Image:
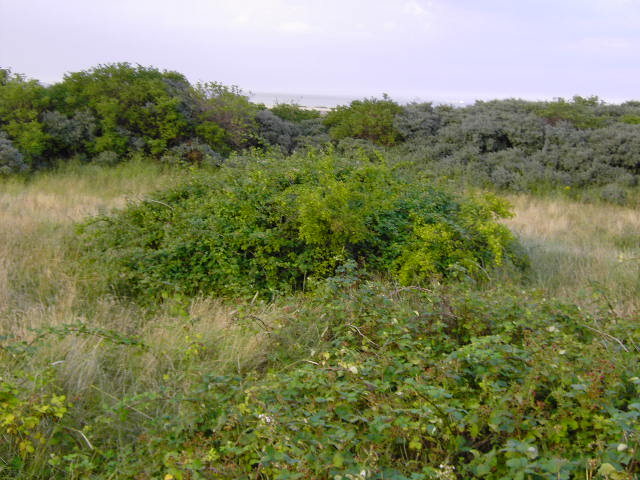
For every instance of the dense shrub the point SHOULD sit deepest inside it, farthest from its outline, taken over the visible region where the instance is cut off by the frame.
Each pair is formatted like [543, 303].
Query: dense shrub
[69, 136]
[192, 152]
[513, 145]
[464, 385]
[417, 120]
[276, 131]
[438, 383]
[11, 160]
[225, 118]
[293, 112]
[263, 224]
[132, 105]
[369, 119]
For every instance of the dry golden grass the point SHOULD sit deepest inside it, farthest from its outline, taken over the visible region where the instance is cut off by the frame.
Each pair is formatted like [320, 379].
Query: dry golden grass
[578, 248]
[34, 218]
[39, 296]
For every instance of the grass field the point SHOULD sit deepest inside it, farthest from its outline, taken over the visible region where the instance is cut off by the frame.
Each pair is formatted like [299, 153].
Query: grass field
[579, 249]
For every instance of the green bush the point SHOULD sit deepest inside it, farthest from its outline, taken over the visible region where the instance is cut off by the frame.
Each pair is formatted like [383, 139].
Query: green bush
[476, 385]
[293, 112]
[369, 119]
[268, 225]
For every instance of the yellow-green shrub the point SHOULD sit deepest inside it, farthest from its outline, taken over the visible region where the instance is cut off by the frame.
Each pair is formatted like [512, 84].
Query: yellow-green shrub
[269, 225]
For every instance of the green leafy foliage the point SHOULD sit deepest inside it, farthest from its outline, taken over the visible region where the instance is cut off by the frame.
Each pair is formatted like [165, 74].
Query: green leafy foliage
[293, 112]
[225, 117]
[515, 145]
[135, 106]
[22, 102]
[32, 425]
[369, 119]
[268, 225]
[579, 112]
[409, 383]
[418, 385]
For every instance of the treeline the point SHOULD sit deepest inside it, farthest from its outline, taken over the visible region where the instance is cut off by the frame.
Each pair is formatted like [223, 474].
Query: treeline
[111, 113]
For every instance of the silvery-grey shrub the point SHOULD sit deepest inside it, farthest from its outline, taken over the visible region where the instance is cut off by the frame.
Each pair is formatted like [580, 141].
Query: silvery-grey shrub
[11, 160]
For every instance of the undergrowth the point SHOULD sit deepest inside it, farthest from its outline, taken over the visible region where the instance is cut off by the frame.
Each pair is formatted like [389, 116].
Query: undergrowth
[361, 376]
[447, 382]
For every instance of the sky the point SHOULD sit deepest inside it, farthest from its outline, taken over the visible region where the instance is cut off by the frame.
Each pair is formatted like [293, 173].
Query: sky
[411, 49]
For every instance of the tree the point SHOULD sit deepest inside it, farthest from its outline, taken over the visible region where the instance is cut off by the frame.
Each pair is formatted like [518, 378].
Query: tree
[11, 160]
[22, 103]
[225, 117]
[136, 108]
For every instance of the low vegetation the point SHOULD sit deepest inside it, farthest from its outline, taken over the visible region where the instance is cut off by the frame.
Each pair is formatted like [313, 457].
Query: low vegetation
[199, 287]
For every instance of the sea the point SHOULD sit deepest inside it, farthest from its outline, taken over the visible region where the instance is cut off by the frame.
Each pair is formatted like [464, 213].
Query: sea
[327, 102]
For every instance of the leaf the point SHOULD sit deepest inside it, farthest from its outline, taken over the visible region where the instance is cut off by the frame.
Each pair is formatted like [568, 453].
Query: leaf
[606, 469]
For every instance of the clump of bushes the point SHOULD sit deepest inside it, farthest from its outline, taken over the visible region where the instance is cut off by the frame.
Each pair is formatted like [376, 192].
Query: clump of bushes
[11, 160]
[274, 226]
[370, 119]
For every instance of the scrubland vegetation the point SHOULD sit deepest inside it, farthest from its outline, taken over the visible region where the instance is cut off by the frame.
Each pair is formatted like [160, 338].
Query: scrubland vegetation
[193, 286]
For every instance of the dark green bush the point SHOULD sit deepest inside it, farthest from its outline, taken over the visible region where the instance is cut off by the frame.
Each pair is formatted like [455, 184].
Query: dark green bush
[192, 152]
[417, 120]
[294, 112]
[268, 225]
[370, 119]
[276, 131]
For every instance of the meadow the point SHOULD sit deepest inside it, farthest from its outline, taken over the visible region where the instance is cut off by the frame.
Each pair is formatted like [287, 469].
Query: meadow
[104, 388]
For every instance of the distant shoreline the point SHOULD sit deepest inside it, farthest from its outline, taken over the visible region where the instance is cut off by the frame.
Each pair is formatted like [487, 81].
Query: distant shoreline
[326, 103]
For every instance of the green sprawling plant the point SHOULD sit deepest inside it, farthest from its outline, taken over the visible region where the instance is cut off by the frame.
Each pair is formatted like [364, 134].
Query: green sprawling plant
[270, 225]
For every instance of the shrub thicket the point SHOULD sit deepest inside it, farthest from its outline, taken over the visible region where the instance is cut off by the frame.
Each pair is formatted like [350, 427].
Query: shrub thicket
[269, 225]
[11, 160]
[513, 145]
[370, 119]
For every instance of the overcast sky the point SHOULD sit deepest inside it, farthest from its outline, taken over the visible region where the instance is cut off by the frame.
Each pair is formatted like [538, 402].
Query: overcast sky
[427, 49]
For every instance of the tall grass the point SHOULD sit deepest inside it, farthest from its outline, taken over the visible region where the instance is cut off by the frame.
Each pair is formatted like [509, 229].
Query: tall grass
[578, 250]
[108, 354]
[37, 215]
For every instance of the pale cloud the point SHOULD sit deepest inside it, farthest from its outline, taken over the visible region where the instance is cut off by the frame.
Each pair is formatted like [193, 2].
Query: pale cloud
[295, 27]
[601, 45]
[390, 26]
[557, 47]
[327, 18]
[414, 8]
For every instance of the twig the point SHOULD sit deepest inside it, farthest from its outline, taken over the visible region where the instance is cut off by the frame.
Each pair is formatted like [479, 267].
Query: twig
[126, 405]
[362, 334]
[260, 322]
[605, 334]
[79, 432]
[253, 300]
[160, 203]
